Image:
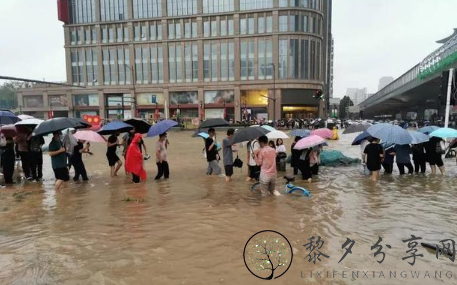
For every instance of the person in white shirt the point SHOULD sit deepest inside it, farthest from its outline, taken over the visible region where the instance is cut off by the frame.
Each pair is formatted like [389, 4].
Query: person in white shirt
[254, 169]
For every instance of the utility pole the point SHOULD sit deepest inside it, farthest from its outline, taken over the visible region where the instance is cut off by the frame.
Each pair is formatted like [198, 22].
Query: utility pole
[448, 97]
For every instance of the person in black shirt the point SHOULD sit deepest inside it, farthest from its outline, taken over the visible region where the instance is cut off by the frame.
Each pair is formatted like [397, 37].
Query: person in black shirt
[373, 157]
[211, 154]
[36, 156]
[8, 160]
[77, 160]
[295, 156]
[419, 158]
[434, 153]
[113, 160]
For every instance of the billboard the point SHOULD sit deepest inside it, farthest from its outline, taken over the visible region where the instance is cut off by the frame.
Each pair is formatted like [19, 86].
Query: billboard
[190, 97]
[219, 97]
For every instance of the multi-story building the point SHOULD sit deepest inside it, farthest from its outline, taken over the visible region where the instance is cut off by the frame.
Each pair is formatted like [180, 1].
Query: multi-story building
[193, 58]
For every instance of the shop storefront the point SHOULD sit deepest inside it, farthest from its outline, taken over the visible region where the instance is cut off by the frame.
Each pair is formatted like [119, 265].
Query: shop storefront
[86, 104]
[184, 105]
[118, 106]
[151, 106]
[299, 104]
[254, 105]
[220, 104]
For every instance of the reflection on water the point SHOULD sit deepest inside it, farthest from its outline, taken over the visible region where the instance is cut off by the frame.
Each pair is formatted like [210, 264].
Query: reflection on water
[192, 228]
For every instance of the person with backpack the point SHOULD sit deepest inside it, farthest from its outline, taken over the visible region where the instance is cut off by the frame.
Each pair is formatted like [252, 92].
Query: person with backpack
[435, 149]
[36, 157]
[253, 168]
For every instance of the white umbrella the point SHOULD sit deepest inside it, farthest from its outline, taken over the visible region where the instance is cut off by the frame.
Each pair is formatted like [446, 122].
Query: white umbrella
[29, 122]
[277, 135]
[25, 117]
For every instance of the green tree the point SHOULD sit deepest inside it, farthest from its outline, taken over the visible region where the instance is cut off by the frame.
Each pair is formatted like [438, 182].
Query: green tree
[344, 104]
[8, 95]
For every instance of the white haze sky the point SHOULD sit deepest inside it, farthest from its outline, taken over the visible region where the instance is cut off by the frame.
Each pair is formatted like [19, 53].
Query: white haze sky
[373, 38]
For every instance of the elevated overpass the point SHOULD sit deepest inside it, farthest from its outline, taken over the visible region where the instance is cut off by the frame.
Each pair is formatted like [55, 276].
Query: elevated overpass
[417, 89]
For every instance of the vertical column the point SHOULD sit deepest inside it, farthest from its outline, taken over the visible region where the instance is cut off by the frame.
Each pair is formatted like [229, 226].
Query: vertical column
[129, 10]
[71, 109]
[278, 105]
[20, 100]
[68, 64]
[238, 103]
[100, 66]
[237, 58]
[201, 105]
[46, 106]
[97, 10]
[101, 101]
[166, 107]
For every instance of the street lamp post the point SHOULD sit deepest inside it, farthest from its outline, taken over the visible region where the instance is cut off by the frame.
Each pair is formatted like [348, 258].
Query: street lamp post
[133, 103]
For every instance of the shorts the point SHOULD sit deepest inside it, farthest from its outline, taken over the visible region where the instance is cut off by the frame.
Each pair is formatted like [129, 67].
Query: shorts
[436, 160]
[228, 170]
[62, 174]
[112, 159]
[254, 171]
[267, 184]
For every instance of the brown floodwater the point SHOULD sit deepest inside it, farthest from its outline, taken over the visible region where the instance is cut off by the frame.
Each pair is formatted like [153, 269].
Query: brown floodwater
[192, 228]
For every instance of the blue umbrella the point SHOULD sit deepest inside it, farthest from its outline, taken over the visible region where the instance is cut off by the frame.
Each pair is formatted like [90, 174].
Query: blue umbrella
[428, 130]
[358, 139]
[444, 133]
[161, 127]
[203, 135]
[390, 134]
[419, 137]
[8, 117]
[300, 133]
[115, 127]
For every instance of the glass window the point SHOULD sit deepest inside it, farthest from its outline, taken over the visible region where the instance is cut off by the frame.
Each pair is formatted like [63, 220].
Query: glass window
[214, 63]
[213, 27]
[81, 11]
[206, 60]
[87, 35]
[206, 27]
[73, 36]
[178, 29]
[137, 32]
[113, 10]
[188, 61]
[255, 4]
[94, 35]
[224, 61]
[147, 9]
[223, 26]
[283, 23]
[231, 56]
[218, 6]
[251, 24]
[194, 62]
[243, 59]
[171, 29]
[231, 26]
[304, 23]
[269, 24]
[153, 31]
[120, 66]
[243, 26]
[154, 64]
[111, 34]
[80, 36]
[112, 68]
[144, 57]
[261, 24]
[261, 64]
[282, 58]
[159, 31]
[144, 32]
[304, 59]
[119, 36]
[172, 62]
[187, 29]
[179, 63]
[194, 29]
[181, 7]
[293, 69]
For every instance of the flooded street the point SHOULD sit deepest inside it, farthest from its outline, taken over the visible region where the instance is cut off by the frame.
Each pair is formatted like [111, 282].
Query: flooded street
[192, 229]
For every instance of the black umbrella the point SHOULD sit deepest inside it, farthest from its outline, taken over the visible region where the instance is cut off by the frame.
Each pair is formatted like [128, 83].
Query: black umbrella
[81, 124]
[54, 125]
[211, 123]
[140, 125]
[248, 134]
[356, 128]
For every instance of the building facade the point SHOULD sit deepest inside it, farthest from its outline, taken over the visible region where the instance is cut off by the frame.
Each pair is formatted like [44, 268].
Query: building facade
[195, 59]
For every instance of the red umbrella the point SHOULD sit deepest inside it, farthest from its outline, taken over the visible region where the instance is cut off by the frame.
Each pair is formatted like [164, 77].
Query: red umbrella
[12, 130]
[323, 133]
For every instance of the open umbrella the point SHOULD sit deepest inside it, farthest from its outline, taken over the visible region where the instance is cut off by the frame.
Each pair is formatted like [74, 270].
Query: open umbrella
[161, 127]
[29, 122]
[419, 137]
[140, 125]
[80, 123]
[266, 127]
[323, 133]
[12, 131]
[115, 127]
[277, 135]
[427, 130]
[390, 134]
[300, 133]
[248, 134]
[444, 133]
[8, 117]
[310, 141]
[198, 131]
[356, 128]
[25, 117]
[203, 135]
[88, 135]
[216, 122]
[358, 139]
[55, 125]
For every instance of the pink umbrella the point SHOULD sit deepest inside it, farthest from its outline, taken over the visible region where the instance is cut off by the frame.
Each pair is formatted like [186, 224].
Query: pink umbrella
[90, 136]
[309, 141]
[323, 133]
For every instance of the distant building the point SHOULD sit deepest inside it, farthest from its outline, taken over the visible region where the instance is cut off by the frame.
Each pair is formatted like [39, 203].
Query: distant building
[384, 81]
[193, 58]
[357, 95]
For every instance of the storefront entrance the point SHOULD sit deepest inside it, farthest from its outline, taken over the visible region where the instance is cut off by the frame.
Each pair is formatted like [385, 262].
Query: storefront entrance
[299, 112]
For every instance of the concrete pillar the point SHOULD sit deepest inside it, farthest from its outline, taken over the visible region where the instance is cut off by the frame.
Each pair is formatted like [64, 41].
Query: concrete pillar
[70, 105]
[166, 97]
[238, 103]
[101, 101]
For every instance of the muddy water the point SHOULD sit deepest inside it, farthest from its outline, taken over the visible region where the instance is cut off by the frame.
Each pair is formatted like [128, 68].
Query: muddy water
[192, 228]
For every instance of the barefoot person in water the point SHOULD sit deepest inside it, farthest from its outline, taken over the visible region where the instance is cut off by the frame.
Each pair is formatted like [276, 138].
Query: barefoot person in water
[113, 160]
[265, 157]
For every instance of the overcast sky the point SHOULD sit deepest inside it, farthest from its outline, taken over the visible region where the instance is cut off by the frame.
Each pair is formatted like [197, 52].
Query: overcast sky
[373, 38]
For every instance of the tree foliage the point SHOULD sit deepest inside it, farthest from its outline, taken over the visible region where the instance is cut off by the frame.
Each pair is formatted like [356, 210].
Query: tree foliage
[8, 95]
[345, 103]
